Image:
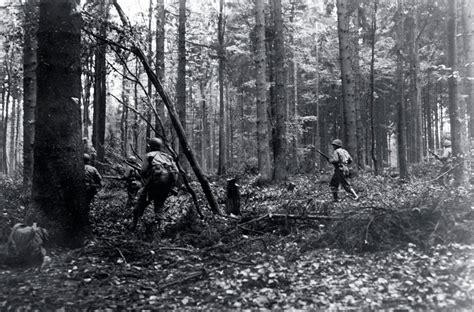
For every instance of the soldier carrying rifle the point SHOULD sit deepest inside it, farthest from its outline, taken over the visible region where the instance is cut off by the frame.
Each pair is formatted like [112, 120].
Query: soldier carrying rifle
[341, 159]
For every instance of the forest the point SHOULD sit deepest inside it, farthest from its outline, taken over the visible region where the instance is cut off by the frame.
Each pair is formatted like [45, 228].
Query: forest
[313, 154]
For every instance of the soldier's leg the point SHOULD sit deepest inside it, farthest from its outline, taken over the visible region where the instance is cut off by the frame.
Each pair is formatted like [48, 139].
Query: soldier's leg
[334, 186]
[141, 204]
[346, 185]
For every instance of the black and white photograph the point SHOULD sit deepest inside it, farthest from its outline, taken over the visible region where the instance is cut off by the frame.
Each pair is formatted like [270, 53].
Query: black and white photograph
[236, 155]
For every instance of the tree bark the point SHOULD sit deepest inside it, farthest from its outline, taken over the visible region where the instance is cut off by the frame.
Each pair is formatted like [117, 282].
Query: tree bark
[279, 140]
[401, 106]
[347, 76]
[58, 178]
[263, 148]
[29, 91]
[100, 89]
[457, 109]
[221, 169]
[160, 62]
[181, 79]
[468, 23]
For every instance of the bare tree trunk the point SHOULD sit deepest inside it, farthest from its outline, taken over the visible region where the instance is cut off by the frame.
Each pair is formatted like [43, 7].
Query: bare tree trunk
[124, 119]
[457, 109]
[372, 96]
[181, 80]
[263, 148]
[349, 108]
[160, 62]
[29, 91]
[401, 129]
[58, 178]
[279, 141]
[221, 169]
[468, 27]
[100, 89]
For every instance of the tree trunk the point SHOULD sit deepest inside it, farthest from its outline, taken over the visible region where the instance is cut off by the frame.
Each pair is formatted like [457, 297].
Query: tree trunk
[468, 27]
[29, 90]
[401, 129]
[349, 105]
[221, 169]
[279, 140]
[181, 79]
[374, 142]
[263, 149]
[457, 109]
[58, 178]
[100, 89]
[160, 62]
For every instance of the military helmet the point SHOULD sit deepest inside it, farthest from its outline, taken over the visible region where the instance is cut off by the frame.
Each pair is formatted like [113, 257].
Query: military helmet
[337, 143]
[132, 159]
[155, 144]
[447, 143]
[86, 157]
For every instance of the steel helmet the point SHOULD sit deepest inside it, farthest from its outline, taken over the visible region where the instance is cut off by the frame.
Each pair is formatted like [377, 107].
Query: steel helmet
[337, 142]
[86, 157]
[155, 144]
[447, 143]
[132, 159]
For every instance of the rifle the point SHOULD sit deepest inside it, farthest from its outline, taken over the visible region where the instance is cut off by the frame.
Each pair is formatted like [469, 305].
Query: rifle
[436, 156]
[322, 154]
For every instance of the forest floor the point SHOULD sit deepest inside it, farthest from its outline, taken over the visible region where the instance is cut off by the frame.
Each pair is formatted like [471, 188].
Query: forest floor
[402, 245]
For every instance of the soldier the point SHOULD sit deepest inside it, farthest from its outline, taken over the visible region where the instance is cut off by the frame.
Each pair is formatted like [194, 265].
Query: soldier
[132, 180]
[159, 172]
[93, 180]
[340, 160]
[446, 159]
[89, 149]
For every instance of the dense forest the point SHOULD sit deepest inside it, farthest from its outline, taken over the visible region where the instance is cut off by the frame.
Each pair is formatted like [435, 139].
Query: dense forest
[248, 97]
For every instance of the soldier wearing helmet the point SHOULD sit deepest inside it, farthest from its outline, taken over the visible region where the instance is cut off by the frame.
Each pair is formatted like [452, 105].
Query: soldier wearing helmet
[93, 180]
[341, 159]
[159, 171]
[132, 180]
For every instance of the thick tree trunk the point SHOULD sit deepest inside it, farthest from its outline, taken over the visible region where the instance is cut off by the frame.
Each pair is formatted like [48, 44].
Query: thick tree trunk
[29, 90]
[279, 140]
[100, 89]
[401, 127]
[263, 148]
[58, 178]
[457, 109]
[373, 120]
[221, 169]
[349, 105]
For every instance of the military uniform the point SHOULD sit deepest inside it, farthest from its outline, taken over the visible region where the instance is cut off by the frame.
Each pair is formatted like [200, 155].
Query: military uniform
[133, 184]
[93, 183]
[341, 159]
[159, 171]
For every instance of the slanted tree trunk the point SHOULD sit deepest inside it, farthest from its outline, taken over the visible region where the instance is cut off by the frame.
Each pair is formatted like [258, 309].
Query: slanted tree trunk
[58, 178]
[347, 76]
[279, 140]
[29, 91]
[263, 148]
[221, 169]
[100, 89]
[457, 109]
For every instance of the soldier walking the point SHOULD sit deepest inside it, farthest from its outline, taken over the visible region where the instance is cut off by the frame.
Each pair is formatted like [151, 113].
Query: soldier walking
[341, 159]
[93, 180]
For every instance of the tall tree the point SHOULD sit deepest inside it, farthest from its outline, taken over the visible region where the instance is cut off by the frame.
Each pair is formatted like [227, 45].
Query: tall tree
[100, 87]
[221, 169]
[181, 80]
[280, 170]
[401, 107]
[457, 109]
[263, 152]
[29, 90]
[160, 61]
[58, 178]
[468, 27]
[347, 75]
